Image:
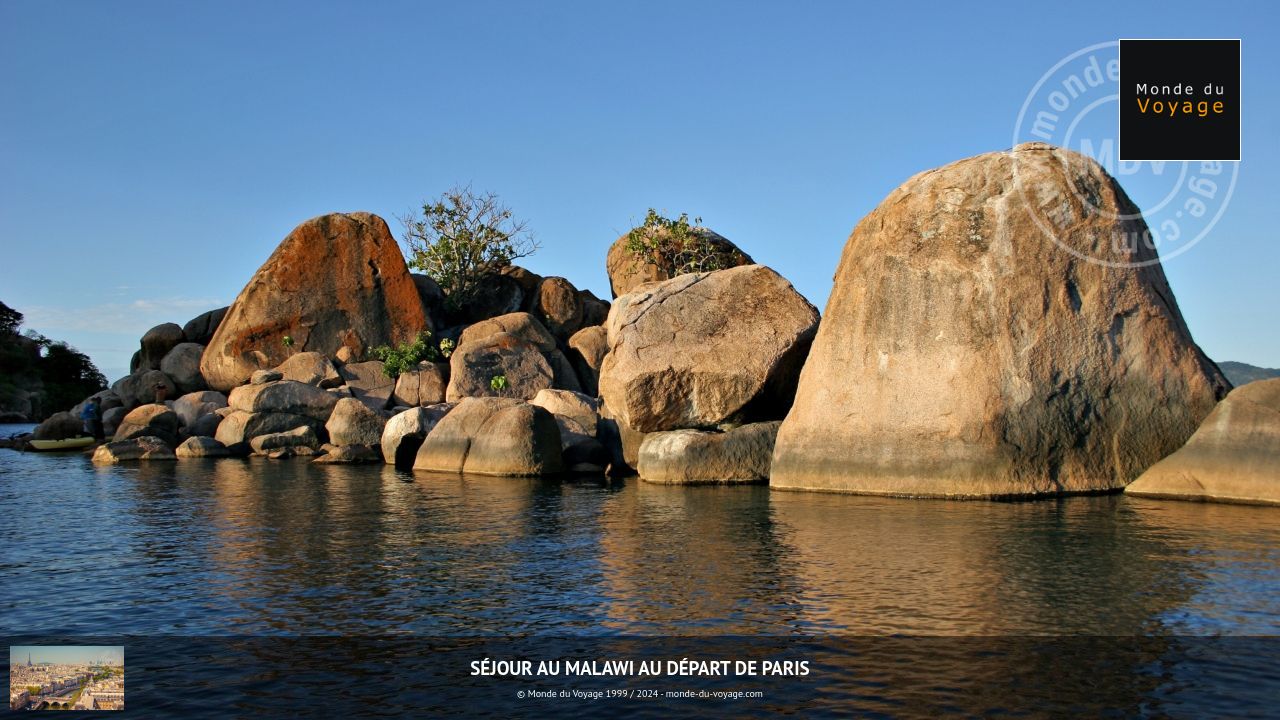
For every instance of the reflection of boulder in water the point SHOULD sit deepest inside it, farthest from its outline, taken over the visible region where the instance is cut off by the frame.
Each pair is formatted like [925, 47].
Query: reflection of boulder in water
[695, 561]
[870, 565]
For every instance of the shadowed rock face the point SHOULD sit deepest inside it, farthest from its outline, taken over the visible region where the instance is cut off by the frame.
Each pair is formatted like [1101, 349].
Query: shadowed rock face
[1233, 457]
[689, 457]
[706, 348]
[337, 281]
[963, 353]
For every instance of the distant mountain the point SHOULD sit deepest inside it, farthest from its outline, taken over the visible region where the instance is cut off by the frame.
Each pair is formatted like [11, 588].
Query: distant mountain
[1240, 373]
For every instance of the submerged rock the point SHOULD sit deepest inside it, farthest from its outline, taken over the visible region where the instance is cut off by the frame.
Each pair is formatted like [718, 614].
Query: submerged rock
[965, 354]
[1233, 457]
[686, 457]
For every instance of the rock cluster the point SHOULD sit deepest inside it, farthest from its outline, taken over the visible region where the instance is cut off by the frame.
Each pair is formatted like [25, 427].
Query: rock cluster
[963, 354]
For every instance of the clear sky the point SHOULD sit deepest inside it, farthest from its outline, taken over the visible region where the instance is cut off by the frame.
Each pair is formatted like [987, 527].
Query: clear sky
[66, 654]
[152, 154]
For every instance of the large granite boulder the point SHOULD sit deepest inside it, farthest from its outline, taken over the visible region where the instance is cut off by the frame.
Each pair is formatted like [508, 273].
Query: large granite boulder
[559, 305]
[284, 396]
[193, 406]
[520, 324]
[298, 437]
[474, 365]
[200, 329]
[582, 410]
[587, 349]
[705, 349]
[527, 280]
[1233, 457]
[337, 281]
[241, 427]
[111, 420]
[156, 343]
[354, 423]
[59, 426]
[312, 368]
[182, 366]
[964, 353]
[594, 310]
[493, 436]
[694, 457]
[627, 270]
[141, 387]
[368, 383]
[405, 431]
[201, 447]
[496, 294]
[424, 385]
[138, 448]
[348, 455]
[152, 420]
[432, 298]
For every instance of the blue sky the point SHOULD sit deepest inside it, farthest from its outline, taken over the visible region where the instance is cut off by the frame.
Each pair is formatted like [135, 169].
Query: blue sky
[65, 654]
[152, 154]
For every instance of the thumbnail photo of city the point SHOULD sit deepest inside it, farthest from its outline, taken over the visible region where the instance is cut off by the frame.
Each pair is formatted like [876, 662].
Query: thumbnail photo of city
[66, 677]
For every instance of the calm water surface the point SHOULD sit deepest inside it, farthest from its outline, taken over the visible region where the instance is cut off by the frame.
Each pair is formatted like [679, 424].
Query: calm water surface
[259, 547]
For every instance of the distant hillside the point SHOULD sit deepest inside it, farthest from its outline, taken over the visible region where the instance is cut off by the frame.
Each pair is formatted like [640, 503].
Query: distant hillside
[1240, 373]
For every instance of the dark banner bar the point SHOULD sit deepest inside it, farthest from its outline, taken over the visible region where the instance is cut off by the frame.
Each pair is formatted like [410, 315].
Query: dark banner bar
[663, 677]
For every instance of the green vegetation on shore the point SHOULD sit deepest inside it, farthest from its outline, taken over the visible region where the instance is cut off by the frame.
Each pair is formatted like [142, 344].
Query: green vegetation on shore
[39, 376]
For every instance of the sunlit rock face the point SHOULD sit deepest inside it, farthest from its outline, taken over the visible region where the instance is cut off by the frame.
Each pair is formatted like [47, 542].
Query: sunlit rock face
[964, 353]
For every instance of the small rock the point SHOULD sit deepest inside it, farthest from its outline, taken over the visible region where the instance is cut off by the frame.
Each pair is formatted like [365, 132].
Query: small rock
[201, 447]
[138, 448]
[262, 377]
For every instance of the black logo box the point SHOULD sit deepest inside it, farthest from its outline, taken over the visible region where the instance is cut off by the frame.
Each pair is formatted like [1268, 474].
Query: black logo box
[1180, 65]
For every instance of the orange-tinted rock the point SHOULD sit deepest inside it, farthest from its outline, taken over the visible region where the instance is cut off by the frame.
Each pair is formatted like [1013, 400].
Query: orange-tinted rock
[337, 281]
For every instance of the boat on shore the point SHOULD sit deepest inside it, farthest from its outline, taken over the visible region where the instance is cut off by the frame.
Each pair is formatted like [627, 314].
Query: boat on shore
[75, 443]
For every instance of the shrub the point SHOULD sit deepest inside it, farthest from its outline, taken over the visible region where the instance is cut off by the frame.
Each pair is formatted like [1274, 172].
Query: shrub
[677, 246]
[406, 356]
[498, 383]
[462, 238]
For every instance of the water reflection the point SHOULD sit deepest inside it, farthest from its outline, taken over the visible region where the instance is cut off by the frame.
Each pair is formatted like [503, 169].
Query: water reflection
[258, 546]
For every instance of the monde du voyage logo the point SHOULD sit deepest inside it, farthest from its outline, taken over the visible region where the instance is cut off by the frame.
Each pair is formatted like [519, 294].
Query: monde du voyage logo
[1163, 117]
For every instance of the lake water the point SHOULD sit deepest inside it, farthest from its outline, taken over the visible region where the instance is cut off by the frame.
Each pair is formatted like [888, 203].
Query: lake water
[258, 549]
